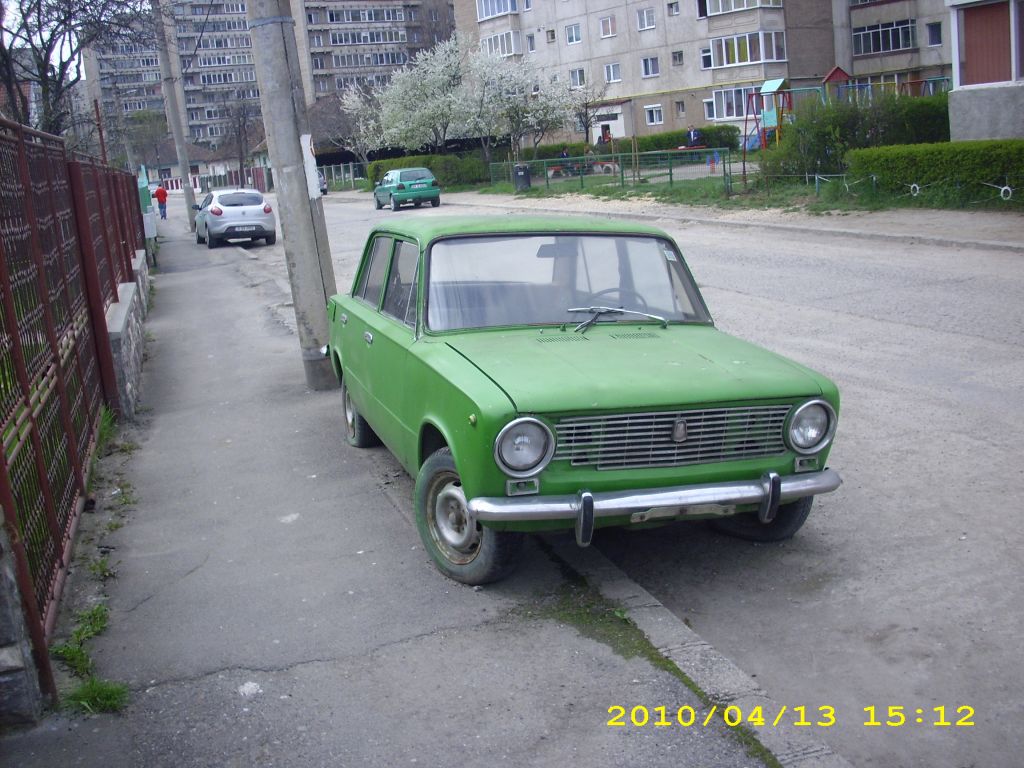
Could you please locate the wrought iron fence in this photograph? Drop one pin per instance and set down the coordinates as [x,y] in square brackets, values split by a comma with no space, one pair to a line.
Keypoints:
[671,168]
[68,232]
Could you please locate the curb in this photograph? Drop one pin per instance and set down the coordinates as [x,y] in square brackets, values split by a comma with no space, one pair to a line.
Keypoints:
[992,245]
[719,678]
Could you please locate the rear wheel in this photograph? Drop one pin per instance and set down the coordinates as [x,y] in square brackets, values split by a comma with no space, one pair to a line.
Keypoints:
[788,520]
[394,203]
[417,203]
[435,202]
[211,241]
[376,202]
[270,239]
[199,238]
[461,548]
[357,431]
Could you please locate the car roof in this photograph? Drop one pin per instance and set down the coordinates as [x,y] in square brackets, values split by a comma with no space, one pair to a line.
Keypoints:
[234,189]
[412,168]
[428,228]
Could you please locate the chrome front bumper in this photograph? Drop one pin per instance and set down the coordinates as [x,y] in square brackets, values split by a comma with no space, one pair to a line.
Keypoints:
[767,493]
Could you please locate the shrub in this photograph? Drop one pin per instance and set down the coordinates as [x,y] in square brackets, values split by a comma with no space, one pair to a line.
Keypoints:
[818,140]
[449,169]
[946,174]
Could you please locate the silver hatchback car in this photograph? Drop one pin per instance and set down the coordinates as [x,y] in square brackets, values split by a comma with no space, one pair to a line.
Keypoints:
[235,214]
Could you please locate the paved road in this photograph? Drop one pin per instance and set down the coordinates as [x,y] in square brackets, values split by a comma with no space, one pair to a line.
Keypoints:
[904,589]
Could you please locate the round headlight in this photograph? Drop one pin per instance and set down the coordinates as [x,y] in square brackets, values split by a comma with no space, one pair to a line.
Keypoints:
[811,426]
[524,447]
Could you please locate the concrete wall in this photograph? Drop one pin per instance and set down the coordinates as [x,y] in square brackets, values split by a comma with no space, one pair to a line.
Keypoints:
[20,698]
[989,111]
[127,337]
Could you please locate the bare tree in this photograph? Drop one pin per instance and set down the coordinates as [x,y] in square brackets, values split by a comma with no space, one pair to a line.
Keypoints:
[146,132]
[243,125]
[41,44]
[585,104]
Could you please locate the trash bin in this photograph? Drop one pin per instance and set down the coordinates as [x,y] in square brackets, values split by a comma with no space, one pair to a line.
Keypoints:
[521,177]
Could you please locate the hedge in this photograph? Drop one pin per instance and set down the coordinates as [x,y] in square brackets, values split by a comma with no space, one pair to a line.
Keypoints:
[449,169]
[948,173]
[716,136]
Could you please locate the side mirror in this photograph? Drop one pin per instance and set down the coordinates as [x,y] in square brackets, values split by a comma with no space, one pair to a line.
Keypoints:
[195,207]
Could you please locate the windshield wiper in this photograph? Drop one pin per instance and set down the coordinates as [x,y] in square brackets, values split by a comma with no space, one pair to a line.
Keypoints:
[596,312]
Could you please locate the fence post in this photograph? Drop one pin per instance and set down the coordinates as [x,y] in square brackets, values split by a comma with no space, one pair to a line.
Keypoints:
[670,170]
[547,176]
[97,311]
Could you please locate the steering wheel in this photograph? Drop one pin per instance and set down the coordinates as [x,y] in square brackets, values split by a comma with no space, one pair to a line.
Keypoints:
[641,302]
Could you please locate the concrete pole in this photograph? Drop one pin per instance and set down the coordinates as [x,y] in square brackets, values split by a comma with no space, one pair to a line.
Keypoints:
[173,109]
[306,249]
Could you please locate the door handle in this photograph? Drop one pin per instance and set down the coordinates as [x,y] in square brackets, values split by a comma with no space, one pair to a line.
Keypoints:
[368,337]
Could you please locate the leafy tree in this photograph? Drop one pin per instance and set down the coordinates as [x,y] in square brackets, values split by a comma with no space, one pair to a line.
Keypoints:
[586,103]
[41,45]
[356,124]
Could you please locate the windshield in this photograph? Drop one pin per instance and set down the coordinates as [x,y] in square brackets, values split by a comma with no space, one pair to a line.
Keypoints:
[236,199]
[483,282]
[416,174]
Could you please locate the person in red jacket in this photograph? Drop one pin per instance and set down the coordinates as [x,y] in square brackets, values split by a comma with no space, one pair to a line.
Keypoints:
[161,199]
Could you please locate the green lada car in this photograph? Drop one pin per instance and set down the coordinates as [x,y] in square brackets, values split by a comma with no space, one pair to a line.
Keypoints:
[564,373]
[407,185]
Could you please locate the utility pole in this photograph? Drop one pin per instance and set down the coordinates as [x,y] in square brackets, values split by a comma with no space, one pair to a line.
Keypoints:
[174,117]
[300,210]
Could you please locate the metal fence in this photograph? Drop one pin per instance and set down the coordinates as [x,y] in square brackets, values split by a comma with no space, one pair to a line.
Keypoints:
[68,232]
[670,168]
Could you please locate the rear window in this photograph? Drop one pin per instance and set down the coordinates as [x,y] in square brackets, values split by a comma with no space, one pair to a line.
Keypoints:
[236,199]
[416,174]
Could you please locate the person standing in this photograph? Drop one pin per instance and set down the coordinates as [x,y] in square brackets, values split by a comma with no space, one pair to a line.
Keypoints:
[161,200]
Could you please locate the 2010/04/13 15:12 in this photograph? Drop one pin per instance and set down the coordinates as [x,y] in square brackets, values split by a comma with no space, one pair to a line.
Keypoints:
[687,716]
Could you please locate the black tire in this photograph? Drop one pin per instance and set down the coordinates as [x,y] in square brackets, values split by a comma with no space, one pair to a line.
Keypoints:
[462,549]
[199,238]
[417,203]
[211,241]
[789,519]
[377,203]
[394,203]
[270,239]
[435,202]
[357,431]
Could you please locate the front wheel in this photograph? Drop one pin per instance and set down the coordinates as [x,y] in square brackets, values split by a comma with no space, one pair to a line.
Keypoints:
[461,548]
[788,520]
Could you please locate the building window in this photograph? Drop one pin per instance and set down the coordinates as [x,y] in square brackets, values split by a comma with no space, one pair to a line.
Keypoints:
[654,114]
[572,34]
[551,35]
[503,44]
[702,9]
[612,73]
[649,67]
[680,109]
[677,58]
[488,9]
[318,62]
[645,19]
[527,5]
[709,109]
[577,79]
[531,43]
[748,49]
[935,33]
[608,26]
[705,58]
[885,37]
[731,103]
[715,7]
[673,9]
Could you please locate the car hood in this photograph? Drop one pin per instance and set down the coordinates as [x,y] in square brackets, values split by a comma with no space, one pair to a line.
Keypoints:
[619,366]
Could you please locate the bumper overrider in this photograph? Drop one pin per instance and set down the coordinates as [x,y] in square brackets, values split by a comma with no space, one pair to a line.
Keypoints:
[767,493]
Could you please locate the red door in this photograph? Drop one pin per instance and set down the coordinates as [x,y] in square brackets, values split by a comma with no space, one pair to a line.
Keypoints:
[987,44]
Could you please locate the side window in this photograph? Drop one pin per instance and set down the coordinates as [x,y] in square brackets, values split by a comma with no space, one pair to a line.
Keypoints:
[400,293]
[372,278]
[206,201]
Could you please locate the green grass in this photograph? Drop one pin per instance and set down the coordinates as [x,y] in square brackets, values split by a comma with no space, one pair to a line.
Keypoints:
[100,568]
[98,695]
[74,656]
[90,623]
[106,430]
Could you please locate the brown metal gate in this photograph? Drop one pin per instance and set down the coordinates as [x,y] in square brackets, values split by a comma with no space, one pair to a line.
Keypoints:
[68,232]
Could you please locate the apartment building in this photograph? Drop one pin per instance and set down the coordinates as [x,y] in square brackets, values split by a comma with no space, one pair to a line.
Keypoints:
[340,42]
[667,64]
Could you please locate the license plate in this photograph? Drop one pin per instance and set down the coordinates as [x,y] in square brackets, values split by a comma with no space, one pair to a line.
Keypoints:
[245,229]
[664,513]
[418,186]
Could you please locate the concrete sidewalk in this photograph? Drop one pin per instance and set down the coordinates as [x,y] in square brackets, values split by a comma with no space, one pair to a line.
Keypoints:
[273,605]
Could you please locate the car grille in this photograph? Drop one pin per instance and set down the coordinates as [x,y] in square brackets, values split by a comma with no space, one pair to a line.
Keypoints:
[636,440]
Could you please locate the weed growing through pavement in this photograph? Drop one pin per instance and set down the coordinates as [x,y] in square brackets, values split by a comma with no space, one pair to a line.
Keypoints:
[98,695]
[93,694]
[100,568]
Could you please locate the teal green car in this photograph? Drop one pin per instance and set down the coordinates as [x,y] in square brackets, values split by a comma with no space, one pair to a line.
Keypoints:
[541,373]
[407,185]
